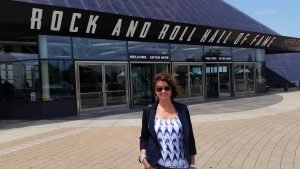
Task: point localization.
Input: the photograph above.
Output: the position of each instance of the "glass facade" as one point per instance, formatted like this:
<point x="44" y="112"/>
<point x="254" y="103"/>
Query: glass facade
<point x="244" y="77"/>
<point x="186" y="52"/>
<point x="57" y="68"/>
<point x="217" y="51"/>
<point x="19" y="70"/>
<point x="99" y="49"/>
<point x="243" y="55"/>
<point x="148" y="48"/>
<point x="101" y="75"/>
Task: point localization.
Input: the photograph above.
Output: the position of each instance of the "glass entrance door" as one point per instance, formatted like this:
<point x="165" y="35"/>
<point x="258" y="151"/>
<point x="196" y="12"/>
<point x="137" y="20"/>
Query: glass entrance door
<point x="212" y="82"/>
<point x="224" y="76"/>
<point x="90" y="86"/>
<point x="101" y="85"/>
<point x="142" y="76"/>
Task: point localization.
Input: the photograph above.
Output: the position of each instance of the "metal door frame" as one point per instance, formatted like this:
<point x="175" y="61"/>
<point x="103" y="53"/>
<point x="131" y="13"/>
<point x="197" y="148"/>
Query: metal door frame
<point x="230" y="78"/>
<point x="188" y="64"/>
<point x="103" y="64"/>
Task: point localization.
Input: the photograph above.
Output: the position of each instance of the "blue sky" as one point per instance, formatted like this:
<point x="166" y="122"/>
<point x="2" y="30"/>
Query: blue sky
<point x="281" y="16"/>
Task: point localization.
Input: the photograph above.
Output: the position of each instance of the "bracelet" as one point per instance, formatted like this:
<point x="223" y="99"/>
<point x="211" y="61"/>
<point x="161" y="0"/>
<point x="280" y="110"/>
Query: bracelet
<point x="142" y="158"/>
<point x="193" y="166"/>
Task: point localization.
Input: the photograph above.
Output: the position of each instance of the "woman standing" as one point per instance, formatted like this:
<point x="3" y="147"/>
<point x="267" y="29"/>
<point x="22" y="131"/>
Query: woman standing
<point x="167" y="139"/>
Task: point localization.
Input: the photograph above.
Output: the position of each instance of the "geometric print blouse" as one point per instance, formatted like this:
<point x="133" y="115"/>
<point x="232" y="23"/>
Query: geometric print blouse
<point x="170" y="136"/>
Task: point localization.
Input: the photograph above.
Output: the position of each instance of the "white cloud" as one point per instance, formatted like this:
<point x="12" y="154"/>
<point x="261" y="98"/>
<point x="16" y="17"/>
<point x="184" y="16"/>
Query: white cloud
<point x="266" y="12"/>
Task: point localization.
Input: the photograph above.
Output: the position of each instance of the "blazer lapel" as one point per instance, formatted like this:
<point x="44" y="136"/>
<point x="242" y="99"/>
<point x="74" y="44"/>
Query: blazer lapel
<point x="152" y="113"/>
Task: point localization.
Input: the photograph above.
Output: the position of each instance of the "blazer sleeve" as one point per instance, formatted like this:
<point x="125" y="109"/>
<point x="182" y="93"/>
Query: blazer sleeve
<point x="192" y="138"/>
<point x="144" y="130"/>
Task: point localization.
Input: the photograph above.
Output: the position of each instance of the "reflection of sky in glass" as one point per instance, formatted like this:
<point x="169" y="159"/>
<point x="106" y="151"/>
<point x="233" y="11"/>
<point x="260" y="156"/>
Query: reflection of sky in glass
<point x="186" y="52"/>
<point x="148" y="48"/>
<point x="24" y="56"/>
<point x="85" y="48"/>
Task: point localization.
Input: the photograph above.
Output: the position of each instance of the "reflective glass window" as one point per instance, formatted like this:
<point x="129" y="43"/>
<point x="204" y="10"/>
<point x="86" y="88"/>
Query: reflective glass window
<point x="217" y="51"/>
<point x="21" y="48"/>
<point x="196" y="80"/>
<point x="239" y="78"/>
<point x="180" y="72"/>
<point x="249" y="72"/>
<point x="260" y="55"/>
<point x="244" y="77"/>
<point x="186" y="52"/>
<point x="148" y="48"/>
<point x="57" y="79"/>
<point x="91" y="86"/>
<point x="55" y="47"/>
<point x="20" y="81"/>
<point x="243" y="55"/>
<point x="261" y="72"/>
<point x="115" y="77"/>
<point x="99" y="49"/>
<point x="224" y="78"/>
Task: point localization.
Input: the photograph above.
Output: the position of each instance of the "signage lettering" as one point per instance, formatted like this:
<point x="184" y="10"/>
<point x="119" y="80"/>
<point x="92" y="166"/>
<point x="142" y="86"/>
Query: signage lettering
<point x="212" y="39"/>
<point x="173" y="32"/>
<point x="72" y="26"/>
<point x="192" y="33"/>
<point x="149" y="57"/>
<point x="145" y="29"/>
<point x="50" y="20"/>
<point x="56" y="20"/>
<point x="92" y="24"/>
<point x="217" y="58"/>
<point x="36" y="18"/>
<point x="163" y="32"/>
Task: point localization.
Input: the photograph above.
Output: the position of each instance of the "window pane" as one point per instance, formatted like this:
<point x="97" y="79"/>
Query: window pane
<point x="196" y="80"/>
<point x="180" y="72"/>
<point x="115" y="77"/>
<point x="261" y="72"/>
<point x="243" y="55"/>
<point x="217" y="51"/>
<point x="224" y="76"/>
<point x="148" y="48"/>
<point x="57" y="47"/>
<point x="22" y="48"/>
<point x="186" y="52"/>
<point x="249" y="77"/>
<point x="99" y="49"/>
<point x="260" y="55"/>
<point x="239" y="78"/>
<point x="20" y="81"/>
<point x="91" y="93"/>
<point x="57" y="79"/>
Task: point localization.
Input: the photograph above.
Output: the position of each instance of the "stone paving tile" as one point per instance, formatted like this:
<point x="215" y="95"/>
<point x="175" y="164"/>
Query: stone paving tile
<point x="268" y="142"/>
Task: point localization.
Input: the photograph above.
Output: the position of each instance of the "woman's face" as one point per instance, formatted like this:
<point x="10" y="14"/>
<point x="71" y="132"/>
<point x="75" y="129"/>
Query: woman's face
<point x="162" y="90"/>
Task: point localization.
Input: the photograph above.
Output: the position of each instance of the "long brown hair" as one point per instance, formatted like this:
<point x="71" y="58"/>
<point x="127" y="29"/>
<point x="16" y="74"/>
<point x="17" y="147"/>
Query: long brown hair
<point x="166" y="77"/>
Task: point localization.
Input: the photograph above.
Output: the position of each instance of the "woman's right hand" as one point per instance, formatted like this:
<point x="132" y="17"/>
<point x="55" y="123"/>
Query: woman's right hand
<point x="147" y="165"/>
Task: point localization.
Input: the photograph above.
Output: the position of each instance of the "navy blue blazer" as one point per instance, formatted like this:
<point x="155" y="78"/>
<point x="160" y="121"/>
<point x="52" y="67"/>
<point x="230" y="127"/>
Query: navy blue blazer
<point x="148" y="138"/>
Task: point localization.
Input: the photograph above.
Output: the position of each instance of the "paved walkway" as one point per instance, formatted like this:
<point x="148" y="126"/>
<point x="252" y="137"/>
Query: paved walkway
<point x="247" y="133"/>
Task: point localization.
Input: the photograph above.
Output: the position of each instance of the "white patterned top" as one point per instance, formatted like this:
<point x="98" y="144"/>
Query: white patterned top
<point x="170" y="136"/>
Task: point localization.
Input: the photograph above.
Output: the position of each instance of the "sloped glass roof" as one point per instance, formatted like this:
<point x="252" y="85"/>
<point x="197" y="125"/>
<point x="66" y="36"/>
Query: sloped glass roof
<point x="286" y="65"/>
<point x="216" y="13"/>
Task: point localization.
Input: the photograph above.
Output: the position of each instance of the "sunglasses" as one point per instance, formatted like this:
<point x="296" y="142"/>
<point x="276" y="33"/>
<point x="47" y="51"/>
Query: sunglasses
<point x="166" y="88"/>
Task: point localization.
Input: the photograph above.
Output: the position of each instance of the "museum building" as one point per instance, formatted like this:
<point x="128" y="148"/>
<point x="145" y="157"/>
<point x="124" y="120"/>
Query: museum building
<point x="63" y="58"/>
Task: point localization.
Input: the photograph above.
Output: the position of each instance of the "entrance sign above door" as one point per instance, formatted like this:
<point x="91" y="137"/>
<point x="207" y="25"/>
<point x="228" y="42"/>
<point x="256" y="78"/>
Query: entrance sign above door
<point x="148" y="57"/>
<point x="217" y="58"/>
